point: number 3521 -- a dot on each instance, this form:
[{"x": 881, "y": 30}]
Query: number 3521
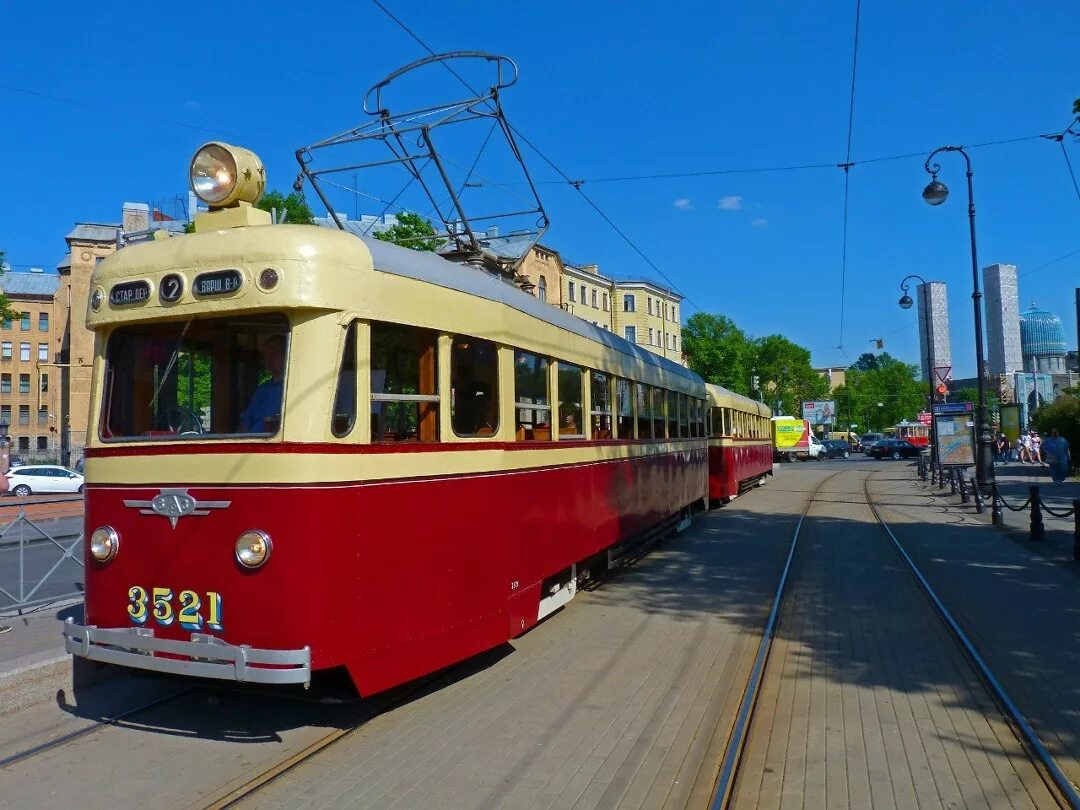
[{"x": 190, "y": 609}]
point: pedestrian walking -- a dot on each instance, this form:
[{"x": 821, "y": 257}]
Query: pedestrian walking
[
  {"x": 1016, "y": 449},
  {"x": 1036, "y": 448},
  {"x": 1025, "y": 448},
  {"x": 1001, "y": 447},
  {"x": 1057, "y": 455}
]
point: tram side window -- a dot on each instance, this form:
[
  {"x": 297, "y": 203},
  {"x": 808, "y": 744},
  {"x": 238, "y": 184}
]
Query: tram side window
[
  {"x": 644, "y": 411},
  {"x": 601, "y": 404},
  {"x": 684, "y": 416},
  {"x": 624, "y": 403},
  {"x": 571, "y": 425},
  {"x": 343, "y": 417},
  {"x": 474, "y": 386},
  {"x": 203, "y": 377},
  {"x": 672, "y": 414},
  {"x": 532, "y": 399},
  {"x": 695, "y": 415},
  {"x": 658, "y": 413},
  {"x": 404, "y": 384}
]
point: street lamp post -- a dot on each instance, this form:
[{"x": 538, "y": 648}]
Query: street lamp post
[
  {"x": 936, "y": 193},
  {"x": 905, "y": 303}
]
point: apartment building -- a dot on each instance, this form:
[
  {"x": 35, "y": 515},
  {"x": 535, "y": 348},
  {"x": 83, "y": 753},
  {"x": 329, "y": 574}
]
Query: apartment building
[{"x": 648, "y": 314}]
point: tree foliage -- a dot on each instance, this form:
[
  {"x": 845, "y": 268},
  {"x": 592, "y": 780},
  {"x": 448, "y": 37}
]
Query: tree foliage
[
  {"x": 1064, "y": 414},
  {"x": 719, "y": 351},
  {"x": 411, "y": 231},
  {"x": 786, "y": 374},
  {"x": 6, "y": 312},
  {"x": 893, "y": 383},
  {"x": 295, "y": 208}
]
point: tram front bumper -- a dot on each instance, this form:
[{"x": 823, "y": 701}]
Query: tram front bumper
[{"x": 203, "y": 656}]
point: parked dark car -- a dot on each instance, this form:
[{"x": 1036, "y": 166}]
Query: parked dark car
[
  {"x": 893, "y": 448},
  {"x": 837, "y": 448}
]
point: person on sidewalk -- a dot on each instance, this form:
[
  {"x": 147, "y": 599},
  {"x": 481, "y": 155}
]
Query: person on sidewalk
[
  {"x": 1025, "y": 448},
  {"x": 1057, "y": 454},
  {"x": 1017, "y": 450},
  {"x": 1036, "y": 449},
  {"x": 1001, "y": 447}
]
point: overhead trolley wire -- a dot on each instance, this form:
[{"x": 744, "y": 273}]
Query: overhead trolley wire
[
  {"x": 546, "y": 159},
  {"x": 846, "y": 166},
  {"x": 1060, "y": 138}
]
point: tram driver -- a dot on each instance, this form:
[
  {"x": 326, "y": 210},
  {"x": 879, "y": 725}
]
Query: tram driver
[{"x": 263, "y": 413}]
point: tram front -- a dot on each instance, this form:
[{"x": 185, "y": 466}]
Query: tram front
[{"x": 217, "y": 365}]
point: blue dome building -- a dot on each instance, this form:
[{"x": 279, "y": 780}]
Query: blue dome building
[{"x": 1042, "y": 342}]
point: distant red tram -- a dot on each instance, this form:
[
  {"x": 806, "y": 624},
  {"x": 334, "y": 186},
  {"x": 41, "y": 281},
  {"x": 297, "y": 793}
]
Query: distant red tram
[{"x": 740, "y": 443}]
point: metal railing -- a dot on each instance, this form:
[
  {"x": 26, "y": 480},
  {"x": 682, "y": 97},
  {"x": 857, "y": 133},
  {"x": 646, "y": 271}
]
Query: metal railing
[
  {"x": 959, "y": 484},
  {"x": 50, "y": 550}
]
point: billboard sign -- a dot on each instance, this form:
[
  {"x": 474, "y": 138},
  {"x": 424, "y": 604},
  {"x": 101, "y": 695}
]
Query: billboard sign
[{"x": 819, "y": 413}]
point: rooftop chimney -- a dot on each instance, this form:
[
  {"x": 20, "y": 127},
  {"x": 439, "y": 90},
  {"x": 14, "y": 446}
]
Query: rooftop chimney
[{"x": 136, "y": 217}]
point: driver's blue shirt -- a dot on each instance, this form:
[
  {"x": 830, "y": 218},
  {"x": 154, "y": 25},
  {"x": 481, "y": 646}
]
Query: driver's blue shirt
[{"x": 265, "y": 403}]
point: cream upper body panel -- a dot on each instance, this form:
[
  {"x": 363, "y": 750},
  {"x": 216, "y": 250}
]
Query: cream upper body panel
[{"x": 720, "y": 397}]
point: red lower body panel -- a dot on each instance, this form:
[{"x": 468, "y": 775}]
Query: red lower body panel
[
  {"x": 732, "y": 465},
  {"x": 390, "y": 579}
]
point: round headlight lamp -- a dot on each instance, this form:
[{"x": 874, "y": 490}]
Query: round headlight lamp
[
  {"x": 97, "y": 299},
  {"x": 253, "y": 548},
  {"x": 222, "y": 175},
  {"x": 104, "y": 543}
]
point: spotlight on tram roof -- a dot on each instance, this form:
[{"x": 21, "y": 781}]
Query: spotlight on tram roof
[
  {"x": 906, "y": 302},
  {"x": 223, "y": 175},
  {"x": 935, "y": 192}
]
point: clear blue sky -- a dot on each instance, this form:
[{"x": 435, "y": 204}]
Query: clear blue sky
[{"x": 608, "y": 89}]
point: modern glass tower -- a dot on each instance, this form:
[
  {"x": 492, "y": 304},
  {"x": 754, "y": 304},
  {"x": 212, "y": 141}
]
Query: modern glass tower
[
  {"x": 933, "y": 303},
  {"x": 1004, "y": 355}
]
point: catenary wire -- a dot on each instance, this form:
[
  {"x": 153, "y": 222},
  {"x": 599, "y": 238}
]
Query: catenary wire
[{"x": 847, "y": 171}]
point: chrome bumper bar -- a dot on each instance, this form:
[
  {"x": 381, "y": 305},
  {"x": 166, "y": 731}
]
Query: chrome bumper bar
[{"x": 203, "y": 656}]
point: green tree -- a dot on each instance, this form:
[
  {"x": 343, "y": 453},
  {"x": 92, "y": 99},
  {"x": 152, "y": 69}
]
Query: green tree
[
  {"x": 866, "y": 362},
  {"x": 893, "y": 383},
  {"x": 1064, "y": 414},
  {"x": 296, "y": 210},
  {"x": 6, "y": 312},
  {"x": 411, "y": 231},
  {"x": 785, "y": 371},
  {"x": 719, "y": 351}
]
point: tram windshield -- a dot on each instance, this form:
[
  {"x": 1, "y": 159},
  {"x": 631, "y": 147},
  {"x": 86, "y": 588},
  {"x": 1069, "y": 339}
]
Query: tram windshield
[{"x": 195, "y": 379}]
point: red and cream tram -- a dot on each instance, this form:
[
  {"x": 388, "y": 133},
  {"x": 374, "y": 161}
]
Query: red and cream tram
[
  {"x": 740, "y": 443},
  {"x": 916, "y": 433},
  {"x": 310, "y": 450}
]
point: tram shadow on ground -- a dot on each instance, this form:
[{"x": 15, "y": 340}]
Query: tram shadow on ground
[
  {"x": 240, "y": 713},
  {"x": 854, "y": 615}
]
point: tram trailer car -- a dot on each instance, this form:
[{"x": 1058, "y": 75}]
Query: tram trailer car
[
  {"x": 310, "y": 450},
  {"x": 740, "y": 443}
]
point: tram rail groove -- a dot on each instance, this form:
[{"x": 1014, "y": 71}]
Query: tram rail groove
[
  {"x": 1048, "y": 768},
  {"x": 64, "y": 739},
  {"x": 739, "y": 735}
]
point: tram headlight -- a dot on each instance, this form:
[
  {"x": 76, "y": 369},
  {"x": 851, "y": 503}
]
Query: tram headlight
[
  {"x": 222, "y": 175},
  {"x": 253, "y": 548},
  {"x": 104, "y": 543}
]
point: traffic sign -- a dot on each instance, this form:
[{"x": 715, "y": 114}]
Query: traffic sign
[
  {"x": 953, "y": 407},
  {"x": 942, "y": 373}
]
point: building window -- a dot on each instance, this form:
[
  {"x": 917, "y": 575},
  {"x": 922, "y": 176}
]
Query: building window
[
  {"x": 607, "y": 304},
  {"x": 404, "y": 384},
  {"x": 628, "y": 303},
  {"x": 649, "y": 299},
  {"x": 44, "y": 383},
  {"x": 474, "y": 386},
  {"x": 541, "y": 290},
  {"x": 7, "y": 323},
  {"x": 24, "y": 383},
  {"x": 624, "y": 402},
  {"x": 343, "y": 417},
  {"x": 532, "y": 400},
  {"x": 570, "y": 423},
  {"x": 24, "y": 443},
  {"x": 630, "y": 333},
  {"x": 5, "y": 350},
  {"x": 43, "y": 352},
  {"x": 674, "y": 313},
  {"x": 42, "y": 443},
  {"x": 570, "y": 288},
  {"x": 24, "y": 414},
  {"x": 675, "y": 342},
  {"x": 650, "y": 336},
  {"x": 43, "y": 321},
  {"x": 594, "y": 300},
  {"x": 5, "y": 383},
  {"x": 24, "y": 325},
  {"x": 665, "y": 311},
  {"x": 600, "y": 387},
  {"x": 5, "y": 414},
  {"x": 24, "y": 352},
  {"x": 43, "y": 415},
  {"x": 583, "y": 296}
]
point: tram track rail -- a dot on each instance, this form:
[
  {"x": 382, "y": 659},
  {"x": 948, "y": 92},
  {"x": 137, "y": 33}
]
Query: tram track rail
[{"x": 1047, "y": 767}]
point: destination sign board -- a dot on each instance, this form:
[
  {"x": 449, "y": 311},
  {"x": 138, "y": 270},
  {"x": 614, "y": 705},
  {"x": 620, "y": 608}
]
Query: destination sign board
[
  {"x": 129, "y": 292},
  {"x": 219, "y": 282}
]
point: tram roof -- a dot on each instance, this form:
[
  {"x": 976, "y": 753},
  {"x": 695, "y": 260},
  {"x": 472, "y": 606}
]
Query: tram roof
[
  {"x": 433, "y": 269},
  {"x": 721, "y": 397}
]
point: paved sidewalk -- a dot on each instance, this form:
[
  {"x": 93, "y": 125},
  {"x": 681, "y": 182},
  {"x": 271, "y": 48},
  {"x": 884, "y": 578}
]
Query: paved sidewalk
[{"x": 1018, "y": 600}]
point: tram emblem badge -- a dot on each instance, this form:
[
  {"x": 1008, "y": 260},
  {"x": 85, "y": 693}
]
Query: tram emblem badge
[{"x": 175, "y": 504}]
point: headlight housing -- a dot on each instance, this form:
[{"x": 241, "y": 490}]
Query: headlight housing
[
  {"x": 253, "y": 548},
  {"x": 104, "y": 543},
  {"x": 222, "y": 175}
]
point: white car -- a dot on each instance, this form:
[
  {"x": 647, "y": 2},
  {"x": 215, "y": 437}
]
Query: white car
[{"x": 40, "y": 478}]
